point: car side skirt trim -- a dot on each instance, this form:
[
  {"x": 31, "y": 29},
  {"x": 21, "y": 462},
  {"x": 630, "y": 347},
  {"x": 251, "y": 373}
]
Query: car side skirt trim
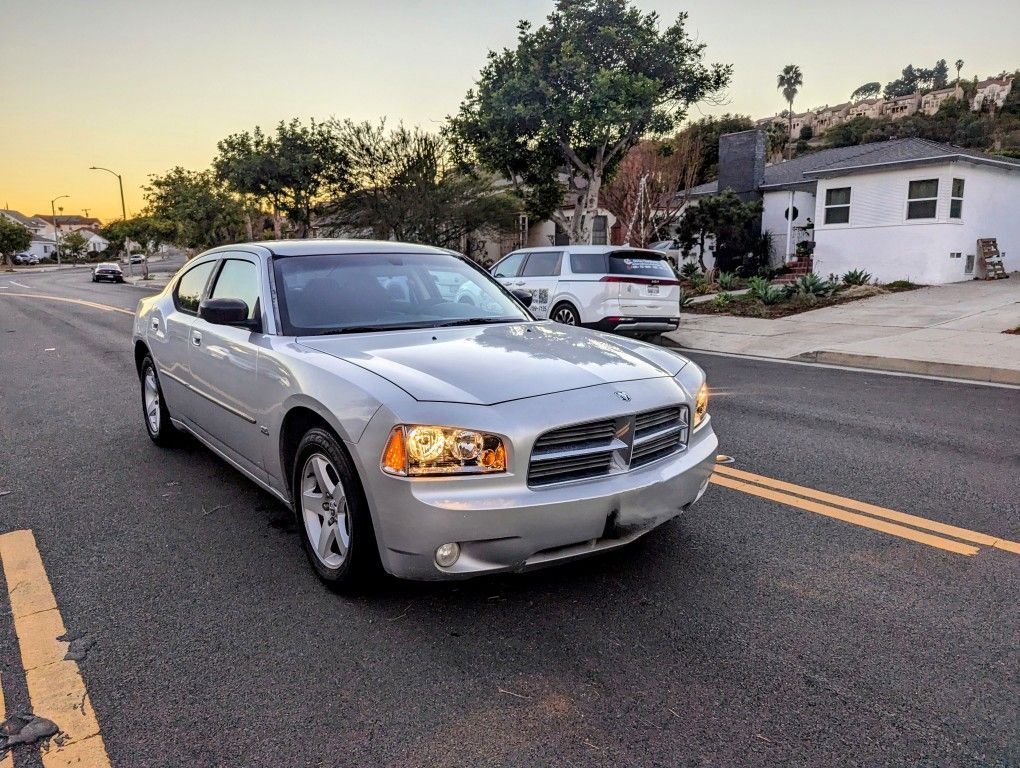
[{"x": 210, "y": 398}]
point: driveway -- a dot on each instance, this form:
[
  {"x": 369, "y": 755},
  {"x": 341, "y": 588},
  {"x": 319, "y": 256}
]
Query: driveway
[{"x": 950, "y": 330}]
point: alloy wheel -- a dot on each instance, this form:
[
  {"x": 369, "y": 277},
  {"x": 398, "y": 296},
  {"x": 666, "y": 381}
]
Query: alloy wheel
[
  {"x": 151, "y": 394},
  {"x": 565, "y": 315},
  {"x": 324, "y": 511}
]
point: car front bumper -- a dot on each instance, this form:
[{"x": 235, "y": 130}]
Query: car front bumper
[{"x": 515, "y": 527}]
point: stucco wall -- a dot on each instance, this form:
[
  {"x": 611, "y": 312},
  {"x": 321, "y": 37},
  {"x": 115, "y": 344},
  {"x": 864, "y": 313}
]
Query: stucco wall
[
  {"x": 880, "y": 239},
  {"x": 773, "y": 219}
]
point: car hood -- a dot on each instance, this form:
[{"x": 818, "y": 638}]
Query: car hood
[{"x": 489, "y": 364}]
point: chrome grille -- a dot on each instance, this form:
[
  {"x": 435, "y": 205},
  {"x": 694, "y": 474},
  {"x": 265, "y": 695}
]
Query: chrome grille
[{"x": 608, "y": 446}]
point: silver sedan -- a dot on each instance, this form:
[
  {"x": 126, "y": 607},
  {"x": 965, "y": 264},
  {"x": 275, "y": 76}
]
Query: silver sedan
[{"x": 411, "y": 432}]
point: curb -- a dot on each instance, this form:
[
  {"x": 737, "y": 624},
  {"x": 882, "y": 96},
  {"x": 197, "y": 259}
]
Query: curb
[{"x": 906, "y": 365}]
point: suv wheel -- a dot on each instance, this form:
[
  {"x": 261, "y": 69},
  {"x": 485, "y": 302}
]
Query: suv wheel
[{"x": 566, "y": 314}]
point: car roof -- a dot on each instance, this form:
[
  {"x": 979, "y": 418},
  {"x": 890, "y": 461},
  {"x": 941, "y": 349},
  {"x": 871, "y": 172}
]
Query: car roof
[
  {"x": 582, "y": 248},
  {"x": 322, "y": 247}
]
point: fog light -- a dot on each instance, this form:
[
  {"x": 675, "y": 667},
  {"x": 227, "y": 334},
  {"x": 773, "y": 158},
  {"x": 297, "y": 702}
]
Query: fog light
[{"x": 447, "y": 554}]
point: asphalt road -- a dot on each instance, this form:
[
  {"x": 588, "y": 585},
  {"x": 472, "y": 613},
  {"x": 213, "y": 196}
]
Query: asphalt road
[{"x": 749, "y": 632}]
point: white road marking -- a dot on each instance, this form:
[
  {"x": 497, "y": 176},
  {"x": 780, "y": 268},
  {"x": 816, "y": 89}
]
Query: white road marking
[{"x": 20, "y": 285}]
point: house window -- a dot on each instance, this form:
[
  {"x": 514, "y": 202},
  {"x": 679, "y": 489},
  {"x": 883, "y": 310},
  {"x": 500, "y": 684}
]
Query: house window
[
  {"x": 922, "y": 198},
  {"x": 599, "y": 230},
  {"x": 956, "y": 201},
  {"x": 837, "y": 205}
]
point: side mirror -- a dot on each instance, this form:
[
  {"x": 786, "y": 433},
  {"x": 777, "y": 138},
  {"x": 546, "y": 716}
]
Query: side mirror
[
  {"x": 524, "y": 297},
  {"x": 224, "y": 312}
]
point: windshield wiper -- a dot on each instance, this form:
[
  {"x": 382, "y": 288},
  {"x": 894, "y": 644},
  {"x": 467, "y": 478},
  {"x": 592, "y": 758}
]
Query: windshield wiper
[
  {"x": 367, "y": 329},
  {"x": 477, "y": 321}
]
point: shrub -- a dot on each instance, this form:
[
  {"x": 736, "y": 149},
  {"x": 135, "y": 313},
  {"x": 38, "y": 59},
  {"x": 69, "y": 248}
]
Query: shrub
[
  {"x": 689, "y": 269},
  {"x": 727, "y": 280},
  {"x": 722, "y": 300},
  {"x": 856, "y": 277},
  {"x": 771, "y": 295},
  {"x": 756, "y": 286},
  {"x": 699, "y": 284},
  {"x": 901, "y": 285}
]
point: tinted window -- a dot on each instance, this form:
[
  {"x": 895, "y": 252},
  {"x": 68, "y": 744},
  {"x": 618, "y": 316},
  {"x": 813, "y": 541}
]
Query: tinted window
[
  {"x": 640, "y": 264},
  {"x": 598, "y": 230},
  {"x": 509, "y": 266},
  {"x": 542, "y": 265},
  {"x": 238, "y": 280},
  {"x": 189, "y": 289},
  {"x": 588, "y": 263}
]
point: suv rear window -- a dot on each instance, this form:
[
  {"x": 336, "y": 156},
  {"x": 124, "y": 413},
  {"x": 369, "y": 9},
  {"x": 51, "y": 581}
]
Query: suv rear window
[
  {"x": 588, "y": 263},
  {"x": 640, "y": 264}
]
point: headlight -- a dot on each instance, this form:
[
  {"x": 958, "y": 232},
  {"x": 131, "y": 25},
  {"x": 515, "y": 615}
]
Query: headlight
[
  {"x": 701, "y": 405},
  {"x": 418, "y": 450}
]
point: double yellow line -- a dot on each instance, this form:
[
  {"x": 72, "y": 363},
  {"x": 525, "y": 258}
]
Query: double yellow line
[
  {"x": 889, "y": 521},
  {"x": 55, "y": 685}
]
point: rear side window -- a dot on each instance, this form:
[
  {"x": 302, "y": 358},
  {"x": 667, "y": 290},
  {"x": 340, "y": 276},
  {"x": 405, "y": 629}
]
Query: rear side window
[
  {"x": 238, "y": 280},
  {"x": 588, "y": 263},
  {"x": 542, "y": 265},
  {"x": 509, "y": 266},
  {"x": 640, "y": 264},
  {"x": 188, "y": 292}
]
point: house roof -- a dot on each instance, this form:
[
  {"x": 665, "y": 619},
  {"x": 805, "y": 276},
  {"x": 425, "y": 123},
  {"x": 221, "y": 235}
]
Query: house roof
[
  {"x": 802, "y": 172},
  {"x": 70, "y": 218},
  {"x": 25, "y": 221}
]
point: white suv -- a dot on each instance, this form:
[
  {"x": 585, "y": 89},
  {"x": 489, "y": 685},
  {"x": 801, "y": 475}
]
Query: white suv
[{"x": 608, "y": 287}]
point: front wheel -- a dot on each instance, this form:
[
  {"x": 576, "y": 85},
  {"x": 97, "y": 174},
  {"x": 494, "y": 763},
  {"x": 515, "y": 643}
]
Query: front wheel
[
  {"x": 332, "y": 514},
  {"x": 157, "y": 417},
  {"x": 566, "y": 314}
]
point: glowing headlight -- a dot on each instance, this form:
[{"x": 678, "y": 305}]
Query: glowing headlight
[
  {"x": 416, "y": 450},
  {"x": 701, "y": 405}
]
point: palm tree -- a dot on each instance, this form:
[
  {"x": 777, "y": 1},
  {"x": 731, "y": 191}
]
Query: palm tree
[
  {"x": 789, "y": 81},
  {"x": 959, "y": 66}
]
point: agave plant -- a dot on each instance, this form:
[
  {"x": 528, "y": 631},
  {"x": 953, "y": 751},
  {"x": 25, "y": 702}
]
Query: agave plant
[
  {"x": 757, "y": 286},
  {"x": 810, "y": 286},
  {"x": 727, "y": 280},
  {"x": 771, "y": 295},
  {"x": 689, "y": 269},
  {"x": 856, "y": 277},
  {"x": 722, "y": 300}
]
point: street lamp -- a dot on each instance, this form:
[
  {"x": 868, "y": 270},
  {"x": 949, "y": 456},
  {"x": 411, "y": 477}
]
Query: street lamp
[
  {"x": 56, "y": 225},
  {"x": 123, "y": 211}
]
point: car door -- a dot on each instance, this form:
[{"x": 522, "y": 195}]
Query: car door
[
  {"x": 507, "y": 270},
  {"x": 539, "y": 277},
  {"x": 169, "y": 337},
  {"x": 224, "y": 364}
]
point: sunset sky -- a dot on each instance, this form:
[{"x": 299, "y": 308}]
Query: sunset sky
[{"x": 140, "y": 86}]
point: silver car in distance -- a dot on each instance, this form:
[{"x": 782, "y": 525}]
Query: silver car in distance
[{"x": 412, "y": 432}]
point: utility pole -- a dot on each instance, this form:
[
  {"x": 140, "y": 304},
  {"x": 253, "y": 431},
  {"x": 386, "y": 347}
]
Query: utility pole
[
  {"x": 123, "y": 214},
  {"x": 56, "y": 224}
]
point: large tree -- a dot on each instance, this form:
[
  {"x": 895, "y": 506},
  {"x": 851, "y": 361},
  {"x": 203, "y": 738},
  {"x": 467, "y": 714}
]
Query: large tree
[
  {"x": 705, "y": 132},
  {"x": 643, "y": 192},
  {"x": 290, "y": 170},
  {"x": 404, "y": 184},
  {"x": 201, "y": 212},
  {"x": 789, "y": 82},
  {"x": 73, "y": 245},
  {"x": 14, "y": 239},
  {"x": 564, "y": 105},
  {"x": 866, "y": 91}
]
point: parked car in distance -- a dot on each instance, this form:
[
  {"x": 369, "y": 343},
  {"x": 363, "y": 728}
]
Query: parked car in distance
[
  {"x": 26, "y": 258},
  {"x": 611, "y": 288},
  {"x": 107, "y": 270},
  {"x": 137, "y": 258},
  {"x": 411, "y": 432}
]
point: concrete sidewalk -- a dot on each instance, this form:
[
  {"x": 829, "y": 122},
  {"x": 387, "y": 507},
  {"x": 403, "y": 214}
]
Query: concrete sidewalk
[{"x": 950, "y": 330}]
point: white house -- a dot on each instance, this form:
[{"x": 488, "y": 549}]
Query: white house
[
  {"x": 906, "y": 209},
  {"x": 42, "y": 245},
  {"x": 96, "y": 243}
]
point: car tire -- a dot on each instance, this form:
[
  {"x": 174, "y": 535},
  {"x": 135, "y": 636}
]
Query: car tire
[
  {"x": 565, "y": 313},
  {"x": 345, "y": 556},
  {"x": 154, "y": 412}
]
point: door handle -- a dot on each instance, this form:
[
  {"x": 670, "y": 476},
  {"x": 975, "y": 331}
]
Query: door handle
[
  {"x": 196, "y": 338},
  {"x": 520, "y": 283}
]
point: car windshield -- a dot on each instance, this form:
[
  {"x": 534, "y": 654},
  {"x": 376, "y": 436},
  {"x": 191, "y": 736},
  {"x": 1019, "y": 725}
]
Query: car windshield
[{"x": 353, "y": 293}]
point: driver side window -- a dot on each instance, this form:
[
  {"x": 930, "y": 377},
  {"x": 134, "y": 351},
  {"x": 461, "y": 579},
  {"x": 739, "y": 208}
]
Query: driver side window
[
  {"x": 509, "y": 267},
  {"x": 238, "y": 280},
  {"x": 188, "y": 292}
]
